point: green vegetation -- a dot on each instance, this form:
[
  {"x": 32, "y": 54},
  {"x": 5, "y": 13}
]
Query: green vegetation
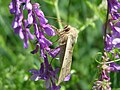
[{"x": 88, "y": 16}]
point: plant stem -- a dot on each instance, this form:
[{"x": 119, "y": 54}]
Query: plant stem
[
  {"x": 58, "y": 14},
  {"x": 68, "y": 12},
  {"x": 106, "y": 23}
]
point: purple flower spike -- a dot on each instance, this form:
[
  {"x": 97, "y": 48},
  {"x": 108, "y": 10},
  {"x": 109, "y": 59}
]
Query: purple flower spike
[
  {"x": 112, "y": 41},
  {"x": 22, "y": 26}
]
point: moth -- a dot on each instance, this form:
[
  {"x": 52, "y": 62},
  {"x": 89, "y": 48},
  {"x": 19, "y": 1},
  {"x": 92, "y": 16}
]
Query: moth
[{"x": 68, "y": 38}]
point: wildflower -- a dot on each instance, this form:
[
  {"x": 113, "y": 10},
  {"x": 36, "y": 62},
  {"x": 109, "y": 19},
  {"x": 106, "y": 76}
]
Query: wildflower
[
  {"x": 21, "y": 26},
  {"x": 53, "y": 53},
  {"x": 114, "y": 67},
  {"x": 67, "y": 78},
  {"x": 113, "y": 39},
  {"x": 47, "y": 73},
  {"x": 114, "y": 6}
]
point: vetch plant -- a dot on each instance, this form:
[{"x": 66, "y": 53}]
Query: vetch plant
[
  {"x": 105, "y": 68},
  {"x": 22, "y": 25},
  {"x": 112, "y": 46}
]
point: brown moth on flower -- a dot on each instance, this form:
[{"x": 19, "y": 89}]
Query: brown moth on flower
[{"x": 68, "y": 37}]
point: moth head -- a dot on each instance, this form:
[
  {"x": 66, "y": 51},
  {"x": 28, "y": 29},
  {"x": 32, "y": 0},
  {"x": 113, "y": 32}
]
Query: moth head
[{"x": 67, "y": 28}]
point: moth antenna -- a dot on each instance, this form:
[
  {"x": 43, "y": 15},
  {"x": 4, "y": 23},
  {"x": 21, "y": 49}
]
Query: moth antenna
[
  {"x": 54, "y": 18},
  {"x": 57, "y": 20}
]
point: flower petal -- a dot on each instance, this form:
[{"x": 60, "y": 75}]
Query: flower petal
[
  {"x": 115, "y": 66},
  {"x": 67, "y": 78},
  {"x": 48, "y": 29}
]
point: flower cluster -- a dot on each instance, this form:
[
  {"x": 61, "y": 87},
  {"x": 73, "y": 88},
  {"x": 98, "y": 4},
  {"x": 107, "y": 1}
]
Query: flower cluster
[
  {"x": 46, "y": 73},
  {"x": 112, "y": 41},
  {"x": 22, "y": 26},
  {"x": 113, "y": 38},
  {"x": 103, "y": 83}
]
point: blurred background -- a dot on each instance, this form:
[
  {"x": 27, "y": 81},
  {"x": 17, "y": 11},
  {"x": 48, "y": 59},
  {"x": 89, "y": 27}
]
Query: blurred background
[{"x": 88, "y": 16}]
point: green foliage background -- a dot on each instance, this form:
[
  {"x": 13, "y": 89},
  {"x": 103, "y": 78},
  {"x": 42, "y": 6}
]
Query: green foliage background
[{"x": 88, "y": 16}]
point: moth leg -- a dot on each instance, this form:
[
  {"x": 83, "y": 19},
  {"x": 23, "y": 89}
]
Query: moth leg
[
  {"x": 60, "y": 32},
  {"x": 57, "y": 31}
]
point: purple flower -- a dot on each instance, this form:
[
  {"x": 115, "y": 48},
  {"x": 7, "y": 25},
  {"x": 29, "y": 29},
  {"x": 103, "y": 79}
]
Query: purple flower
[
  {"x": 53, "y": 53},
  {"x": 30, "y": 18},
  {"x": 21, "y": 26},
  {"x": 114, "y": 67},
  {"x": 36, "y": 49},
  {"x": 108, "y": 43},
  {"x": 27, "y": 34},
  {"x": 17, "y": 21},
  {"x": 28, "y": 5},
  {"x": 113, "y": 39},
  {"x": 43, "y": 43},
  {"x": 67, "y": 78},
  {"x": 39, "y": 14},
  {"x": 37, "y": 74},
  {"x": 48, "y": 30},
  {"x": 55, "y": 87},
  {"x": 102, "y": 85},
  {"x": 47, "y": 73},
  {"x": 104, "y": 75},
  {"x": 15, "y": 7},
  {"x": 114, "y": 5}
]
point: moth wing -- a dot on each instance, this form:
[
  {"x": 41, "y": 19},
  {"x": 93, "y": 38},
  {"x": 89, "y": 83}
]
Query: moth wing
[{"x": 67, "y": 60}]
